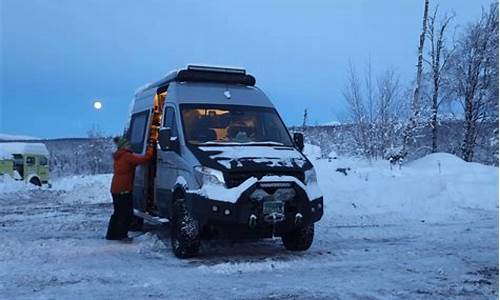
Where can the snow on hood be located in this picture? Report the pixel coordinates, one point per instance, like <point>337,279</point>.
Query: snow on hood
<point>236,156</point>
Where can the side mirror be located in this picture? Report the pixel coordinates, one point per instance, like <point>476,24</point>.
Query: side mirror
<point>298,139</point>
<point>167,141</point>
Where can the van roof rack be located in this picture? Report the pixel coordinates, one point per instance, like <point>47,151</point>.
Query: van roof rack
<point>200,73</point>
<point>216,69</point>
<point>197,73</point>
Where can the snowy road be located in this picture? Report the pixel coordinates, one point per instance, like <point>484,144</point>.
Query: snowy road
<point>52,246</point>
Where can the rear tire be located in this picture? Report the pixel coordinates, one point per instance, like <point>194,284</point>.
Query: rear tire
<point>35,181</point>
<point>299,239</point>
<point>185,235</point>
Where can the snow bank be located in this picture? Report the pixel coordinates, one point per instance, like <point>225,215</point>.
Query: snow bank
<point>312,152</point>
<point>434,187</point>
<point>9,185</point>
<point>89,189</point>
<point>85,189</point>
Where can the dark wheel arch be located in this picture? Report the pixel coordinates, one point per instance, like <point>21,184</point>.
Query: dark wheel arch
<point>35,181</point>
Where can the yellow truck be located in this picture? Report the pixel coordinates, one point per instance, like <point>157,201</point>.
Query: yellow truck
<point>25,161</point>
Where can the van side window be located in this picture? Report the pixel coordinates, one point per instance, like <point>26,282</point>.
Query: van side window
<point>138,131</point>
<point>43,161</point>
<point>30,160</point>
<point>170,120</point>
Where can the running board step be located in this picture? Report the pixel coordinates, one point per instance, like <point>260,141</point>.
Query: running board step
<point>150,218</point>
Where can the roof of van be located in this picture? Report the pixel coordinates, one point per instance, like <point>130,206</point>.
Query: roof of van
<point>24,148</point>
<point>200,73</point>
<point>204,85</point>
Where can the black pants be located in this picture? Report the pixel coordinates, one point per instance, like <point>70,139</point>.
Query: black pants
<point>122,216</point>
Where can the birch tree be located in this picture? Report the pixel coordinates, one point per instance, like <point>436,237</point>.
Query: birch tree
<point>439,57</point>
<point>475,76</point>
<point>409,132</point>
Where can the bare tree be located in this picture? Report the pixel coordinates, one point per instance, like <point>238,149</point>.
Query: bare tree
<point>96,150</point>
<point>373,110</point>
<point>388,109</point>
<point>438,60</point>
<point>353,95</point>
<point>475,76</point>
<point>304,121</point>
<point>409,132</point>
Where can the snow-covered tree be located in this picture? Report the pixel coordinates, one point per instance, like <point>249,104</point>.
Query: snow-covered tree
<point>438,58</point>
<point>373,110</point>
<point>475,76</point>
<point>415,114</point>
<point>97,149</point>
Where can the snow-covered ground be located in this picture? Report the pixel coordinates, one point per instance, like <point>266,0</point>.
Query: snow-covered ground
<point>429,230</point>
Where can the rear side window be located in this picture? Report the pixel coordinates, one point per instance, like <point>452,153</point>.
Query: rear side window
<point>43,161</point>
<point>170,120</point>
<point>138,126</point>
<point>30,160</point>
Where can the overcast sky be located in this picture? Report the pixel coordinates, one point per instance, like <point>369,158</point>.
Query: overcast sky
<point>58,56</point>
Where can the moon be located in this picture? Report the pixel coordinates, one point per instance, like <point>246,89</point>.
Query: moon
<point>97,105</point>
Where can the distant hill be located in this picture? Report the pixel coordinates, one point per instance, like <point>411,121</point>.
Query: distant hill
<point>11,137</point>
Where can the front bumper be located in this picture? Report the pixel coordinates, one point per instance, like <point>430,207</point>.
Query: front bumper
<point>234,219</point>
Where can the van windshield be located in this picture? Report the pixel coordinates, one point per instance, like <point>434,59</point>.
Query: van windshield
<point>233,124</point>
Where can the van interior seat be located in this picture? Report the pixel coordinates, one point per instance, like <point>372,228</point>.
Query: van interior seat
<point>204,135</point>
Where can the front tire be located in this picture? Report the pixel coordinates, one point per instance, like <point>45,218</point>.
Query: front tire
<point>185,235</point>
<point>299,239</point>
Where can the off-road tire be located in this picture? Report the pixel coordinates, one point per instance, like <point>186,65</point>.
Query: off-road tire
<point>35,181</point>
<point>299,239</point>
<point>185,234</point>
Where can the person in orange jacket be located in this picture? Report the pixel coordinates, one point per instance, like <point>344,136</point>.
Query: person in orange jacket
<point>121,188</point>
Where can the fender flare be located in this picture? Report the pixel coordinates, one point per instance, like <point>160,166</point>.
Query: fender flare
<point>180,187</point>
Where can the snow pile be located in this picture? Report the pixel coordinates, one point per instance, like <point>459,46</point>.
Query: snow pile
<point>85,189</point>
<point>74,189</point>
<point>150,245</point>
<point>312,152</point>
<point>434,187</point>
<point>9,185</point>
<point>5,154</point>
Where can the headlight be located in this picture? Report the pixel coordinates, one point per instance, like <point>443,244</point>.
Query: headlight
<point>310,176</point>
<point>210,176</point>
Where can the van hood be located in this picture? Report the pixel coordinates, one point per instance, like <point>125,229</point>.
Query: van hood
<point>243,158</point>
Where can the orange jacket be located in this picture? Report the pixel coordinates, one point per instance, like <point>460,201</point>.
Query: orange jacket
<point>124,168</point>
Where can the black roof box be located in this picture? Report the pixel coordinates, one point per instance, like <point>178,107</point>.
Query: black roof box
<point>195,73</point>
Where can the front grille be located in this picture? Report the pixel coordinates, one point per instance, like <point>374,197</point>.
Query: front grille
<point>236,178</point>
